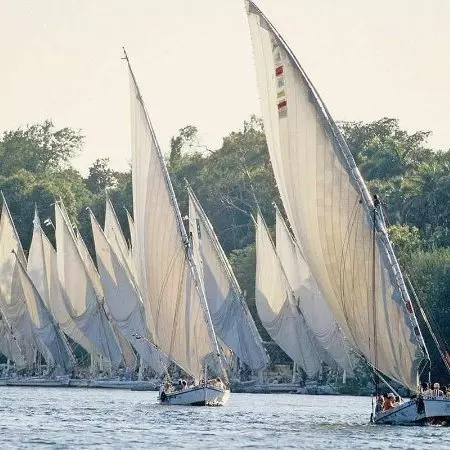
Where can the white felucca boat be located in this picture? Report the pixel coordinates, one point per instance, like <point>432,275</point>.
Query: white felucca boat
<point>337,224</point>
<point>175,304</point>
<point>230,315</point>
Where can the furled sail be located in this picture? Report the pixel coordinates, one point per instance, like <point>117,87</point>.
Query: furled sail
<point>177,313</point>
<point>331,212</point>
<point>315,310</point>
<point>42,269</point>
<point>14,308</point>
<point>86,308</point>
<point>51,343</point>
<point>277,306</point>
<point>123,300</point>
<point>231,318</point>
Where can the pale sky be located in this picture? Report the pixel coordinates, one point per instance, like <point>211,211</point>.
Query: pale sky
<point>61,60</point>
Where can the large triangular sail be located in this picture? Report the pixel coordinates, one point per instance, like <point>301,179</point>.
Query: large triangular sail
<point>314,308</point>
<point>123,300</point>
<point>177,313</point>
<point>42,269</point>
<point>128,355</point>
<point>114,234</point>
<point>277,306</point>
<point>86,308</point>
<point>52,344</point>
<point>331,212</point>
<point>14,308</point>
<point>231,318</point>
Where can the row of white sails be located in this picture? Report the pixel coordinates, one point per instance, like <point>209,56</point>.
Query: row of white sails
<point>330,285</point>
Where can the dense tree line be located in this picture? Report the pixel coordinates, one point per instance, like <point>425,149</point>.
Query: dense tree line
<point>412,180</point>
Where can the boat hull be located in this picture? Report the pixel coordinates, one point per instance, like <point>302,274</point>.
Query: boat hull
<point>196,396</point>
<point>435,410</point>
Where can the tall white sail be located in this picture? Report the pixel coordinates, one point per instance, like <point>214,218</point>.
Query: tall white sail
<point>13,308</point>
<point>231,318</point>
<point>128,356</point>
<point>123,300</point>
<point>51,343</point>
<point>331,212</point>
<point>277,306</point>
<point>42,269</point>
<point>314,308</point>
<point>86,308</point>
<point>114,234</point>
<point>9,346</point>
<point>177,313</point>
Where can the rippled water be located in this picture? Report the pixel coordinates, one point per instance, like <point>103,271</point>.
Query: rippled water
<point>96,418</point>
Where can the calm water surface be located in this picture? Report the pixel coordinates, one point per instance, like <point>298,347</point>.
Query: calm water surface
<point>94,418</point>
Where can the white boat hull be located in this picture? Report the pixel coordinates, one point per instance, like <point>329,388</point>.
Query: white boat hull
<point>196,396</point>
<point>38,382</point>
<point>436,410</point>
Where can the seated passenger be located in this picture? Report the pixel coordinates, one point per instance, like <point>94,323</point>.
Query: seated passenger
<point>437,391</point>
<point>219,383</point>
<point>379,405</point>
<point>388,402</point>
<point>425,390</point>
<point>184,385</point>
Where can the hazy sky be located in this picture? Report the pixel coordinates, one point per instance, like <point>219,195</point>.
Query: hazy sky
<point>61,60</point>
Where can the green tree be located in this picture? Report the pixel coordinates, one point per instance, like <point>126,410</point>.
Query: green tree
<point>38,148</point>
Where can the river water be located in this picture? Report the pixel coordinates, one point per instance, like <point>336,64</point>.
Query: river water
<point>63,418</point>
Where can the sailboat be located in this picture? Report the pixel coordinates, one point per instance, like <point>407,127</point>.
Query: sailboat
<point>338,225</point>
<point>43,271</point>
<point>122,297</point>
<point>79,287</point>
<point>230,315</point>
<point>334,348</point>
<point>276,305</point>
<point>175,303</point>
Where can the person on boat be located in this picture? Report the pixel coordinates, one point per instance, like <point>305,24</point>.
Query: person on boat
<point>389,402</point>
<point>437,392</point>
<point>219,384</point>
<point>379,405</point>
<point>184,385</point>
<point>424,389</point>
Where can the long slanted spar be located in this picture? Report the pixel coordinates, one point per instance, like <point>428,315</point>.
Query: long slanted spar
<point>277,306</point>
<point>42,269</point>
<point>231,318</point>
<point>123,299</point>
<point>313,306</point>
<point>85,307</point>
<point>332,214</point>
<point>175,304</point>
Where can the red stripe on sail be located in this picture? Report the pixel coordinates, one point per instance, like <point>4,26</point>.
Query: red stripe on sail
<point>282,104</point>
<point>278,71</point>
